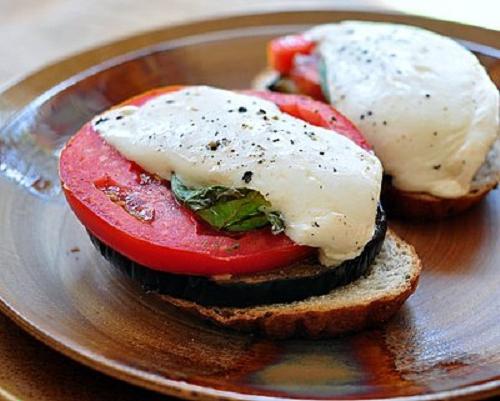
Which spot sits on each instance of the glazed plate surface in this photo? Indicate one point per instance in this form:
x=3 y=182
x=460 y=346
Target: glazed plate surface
x=444 y=343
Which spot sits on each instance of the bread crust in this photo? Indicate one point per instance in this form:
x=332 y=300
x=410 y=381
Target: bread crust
x=312 y=319
x=422 y=206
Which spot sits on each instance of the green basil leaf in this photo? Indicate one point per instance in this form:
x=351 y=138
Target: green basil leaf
x=201 y=198
x=230 y=209
x=223 y=214
x=276 y=221
x=251 y=223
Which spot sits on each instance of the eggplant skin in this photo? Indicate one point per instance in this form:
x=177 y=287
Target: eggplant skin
x=243 y=291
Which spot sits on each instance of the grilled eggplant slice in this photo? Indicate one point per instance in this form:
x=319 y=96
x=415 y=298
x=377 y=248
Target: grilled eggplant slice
x=296 y=282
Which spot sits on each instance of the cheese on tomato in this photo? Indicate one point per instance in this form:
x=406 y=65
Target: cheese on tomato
x=422 y=100
x=325 y=186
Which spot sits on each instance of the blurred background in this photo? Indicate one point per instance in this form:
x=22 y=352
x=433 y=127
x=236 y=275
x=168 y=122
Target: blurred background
x=37 y=32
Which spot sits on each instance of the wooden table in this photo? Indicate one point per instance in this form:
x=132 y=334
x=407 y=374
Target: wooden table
x=36 y=33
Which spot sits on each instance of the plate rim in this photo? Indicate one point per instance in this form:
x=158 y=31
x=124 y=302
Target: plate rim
x=163 y=384
x=186 y=390
x=132 y=43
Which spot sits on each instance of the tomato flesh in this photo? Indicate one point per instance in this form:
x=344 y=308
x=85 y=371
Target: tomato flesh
x=281 y=51
x=137 y=215
x=305 y=75
x=291 y=56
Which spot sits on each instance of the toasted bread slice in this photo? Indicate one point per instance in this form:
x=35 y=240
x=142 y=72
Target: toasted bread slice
x=415 y=205
x=418 y=205
x=366 y=302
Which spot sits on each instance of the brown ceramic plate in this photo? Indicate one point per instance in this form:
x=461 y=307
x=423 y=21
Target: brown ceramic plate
x=445 y=342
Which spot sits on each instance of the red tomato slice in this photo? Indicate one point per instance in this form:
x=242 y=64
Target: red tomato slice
x=281 y=51
x=291 y=56
x=137 y=215
x=304 y=73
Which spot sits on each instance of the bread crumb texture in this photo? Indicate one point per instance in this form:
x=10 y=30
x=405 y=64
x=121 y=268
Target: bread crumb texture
x=366 y=302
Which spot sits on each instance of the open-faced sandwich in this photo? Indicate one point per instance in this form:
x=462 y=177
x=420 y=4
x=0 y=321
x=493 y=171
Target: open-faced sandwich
x=422 y=100
x=258 y=211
